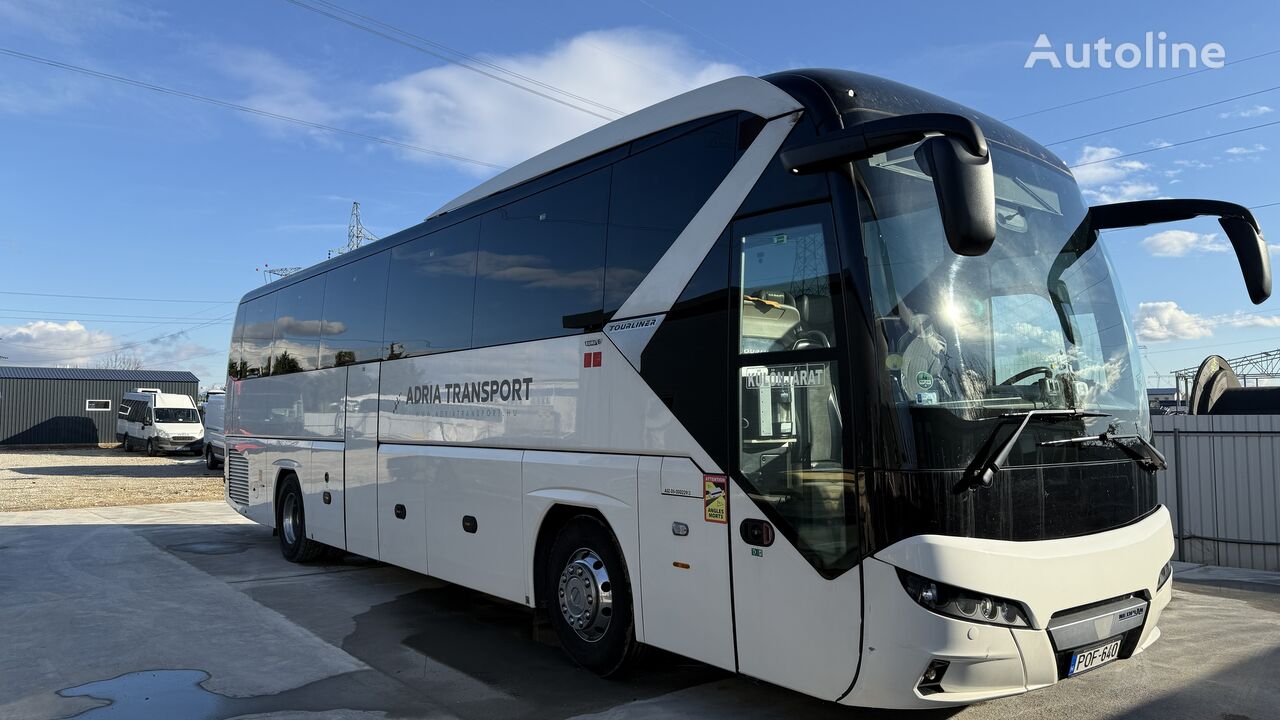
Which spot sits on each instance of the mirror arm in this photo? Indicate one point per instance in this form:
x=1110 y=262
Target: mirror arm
x=1237 y=222
x=863 y=140
x=1151 y=212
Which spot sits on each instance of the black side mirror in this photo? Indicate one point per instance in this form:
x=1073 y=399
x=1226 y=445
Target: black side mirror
x=954 y=154
x=1251 y=253
x=966 y=191
x=1236 y=221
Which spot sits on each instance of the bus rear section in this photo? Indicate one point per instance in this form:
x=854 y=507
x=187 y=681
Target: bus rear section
x=702 y=379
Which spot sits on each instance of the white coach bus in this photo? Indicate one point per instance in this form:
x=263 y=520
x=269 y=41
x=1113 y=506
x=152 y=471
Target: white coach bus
x=812 y=377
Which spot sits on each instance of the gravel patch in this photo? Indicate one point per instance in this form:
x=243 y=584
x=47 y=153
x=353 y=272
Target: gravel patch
x=97 y=477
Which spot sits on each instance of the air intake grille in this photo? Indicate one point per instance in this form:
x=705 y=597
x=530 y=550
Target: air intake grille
x=237 y=478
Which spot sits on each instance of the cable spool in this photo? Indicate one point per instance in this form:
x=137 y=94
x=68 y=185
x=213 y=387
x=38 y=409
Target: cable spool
x=1217 y=391
x=1213 y=378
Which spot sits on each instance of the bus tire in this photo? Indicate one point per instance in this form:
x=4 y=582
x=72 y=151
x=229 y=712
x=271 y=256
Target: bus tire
x=291 y=520
x=589 y=597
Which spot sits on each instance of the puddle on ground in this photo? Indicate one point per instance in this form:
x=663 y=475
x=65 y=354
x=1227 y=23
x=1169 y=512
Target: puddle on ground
x=211 y=547
x=151 y=694
x=172 y=694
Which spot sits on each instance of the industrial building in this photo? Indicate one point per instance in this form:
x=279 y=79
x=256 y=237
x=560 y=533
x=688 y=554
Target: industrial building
x=73 y=406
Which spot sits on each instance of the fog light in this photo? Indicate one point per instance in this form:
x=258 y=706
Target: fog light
x=1166 y=572
x=931 y=680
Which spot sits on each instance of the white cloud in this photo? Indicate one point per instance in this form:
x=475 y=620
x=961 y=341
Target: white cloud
x=277 y=87
x=1176 y=243
x=1246 y=150
x=451 y=108
x=1249 y=112
x=1242 y=320
x=1164 y=320
x=1193 y=164
x=69 y=21
x=1101 y=169
x=1122 y=192
x=68 y=343
x=1104 y=180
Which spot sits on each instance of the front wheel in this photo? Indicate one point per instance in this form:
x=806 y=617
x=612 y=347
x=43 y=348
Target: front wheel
x=590 y=597
x=151 y=448
x=291 y=520
x=125 y=445
x=209 y=461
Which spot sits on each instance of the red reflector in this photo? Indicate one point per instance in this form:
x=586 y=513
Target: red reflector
x=586 y=359
x=596 y=359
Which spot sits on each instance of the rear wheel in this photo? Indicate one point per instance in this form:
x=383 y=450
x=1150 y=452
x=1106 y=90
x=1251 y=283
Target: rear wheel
x=291 y=521
x=210 y=461
x=589 y=599
x=151 y=448
x=125 y=444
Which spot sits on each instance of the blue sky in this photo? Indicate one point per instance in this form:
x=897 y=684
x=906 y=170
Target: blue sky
x=112 y=190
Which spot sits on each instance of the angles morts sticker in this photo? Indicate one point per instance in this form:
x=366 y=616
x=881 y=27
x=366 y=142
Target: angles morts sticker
x=715 y=498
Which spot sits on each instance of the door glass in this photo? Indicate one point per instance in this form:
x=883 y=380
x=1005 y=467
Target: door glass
x=791 y=434
x=786 y=290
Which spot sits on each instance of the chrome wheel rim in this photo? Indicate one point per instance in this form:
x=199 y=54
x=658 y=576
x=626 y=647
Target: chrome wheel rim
x=290 y=518
x=586 y=595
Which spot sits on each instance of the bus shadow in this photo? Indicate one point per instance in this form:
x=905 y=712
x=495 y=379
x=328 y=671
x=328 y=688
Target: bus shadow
x=514 y=668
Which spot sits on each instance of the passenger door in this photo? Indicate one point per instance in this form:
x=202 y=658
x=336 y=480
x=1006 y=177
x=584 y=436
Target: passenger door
x=792 y=503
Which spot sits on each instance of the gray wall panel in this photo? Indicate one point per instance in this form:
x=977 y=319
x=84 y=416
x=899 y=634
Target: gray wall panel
x=1224 y=468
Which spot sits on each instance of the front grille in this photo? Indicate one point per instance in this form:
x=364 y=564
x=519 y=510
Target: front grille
x=182 y=438
x=237 y=477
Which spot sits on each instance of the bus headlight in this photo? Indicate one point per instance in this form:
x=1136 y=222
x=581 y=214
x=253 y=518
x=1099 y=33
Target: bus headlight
x=1166 y=572
x=963 y=604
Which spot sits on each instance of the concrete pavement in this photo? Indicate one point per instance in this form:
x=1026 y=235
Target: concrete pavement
x=188 y=611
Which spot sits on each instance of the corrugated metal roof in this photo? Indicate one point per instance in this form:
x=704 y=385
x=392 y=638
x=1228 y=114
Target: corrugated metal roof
x=138 y=376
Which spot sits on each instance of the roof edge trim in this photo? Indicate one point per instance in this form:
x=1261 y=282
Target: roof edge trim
x=750 y=94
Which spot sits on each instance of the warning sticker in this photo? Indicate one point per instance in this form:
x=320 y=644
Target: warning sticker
x=715 y=500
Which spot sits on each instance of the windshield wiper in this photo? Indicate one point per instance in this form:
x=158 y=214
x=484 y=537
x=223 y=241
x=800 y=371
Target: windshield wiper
x=994 y=454
x=1147 y=455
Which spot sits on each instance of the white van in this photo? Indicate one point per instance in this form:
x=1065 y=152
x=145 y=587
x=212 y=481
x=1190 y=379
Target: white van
x=159 y=422
x=215 y=449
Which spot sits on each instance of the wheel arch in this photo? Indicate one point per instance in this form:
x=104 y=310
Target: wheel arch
x=556 y=517
x=283 y=474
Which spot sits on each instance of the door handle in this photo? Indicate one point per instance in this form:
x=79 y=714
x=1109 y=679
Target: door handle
x=756 y=532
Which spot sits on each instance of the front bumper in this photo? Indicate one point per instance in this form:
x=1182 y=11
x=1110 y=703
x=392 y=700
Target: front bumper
x=169 y=445
x=1059 y=581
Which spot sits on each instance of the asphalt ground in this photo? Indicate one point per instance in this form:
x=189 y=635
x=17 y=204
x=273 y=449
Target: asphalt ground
x=186 y=610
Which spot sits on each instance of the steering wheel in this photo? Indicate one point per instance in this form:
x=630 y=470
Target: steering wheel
x=1037 y=370
x=810 y=338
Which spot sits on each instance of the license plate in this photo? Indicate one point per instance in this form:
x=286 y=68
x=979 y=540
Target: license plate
x=1093 y=657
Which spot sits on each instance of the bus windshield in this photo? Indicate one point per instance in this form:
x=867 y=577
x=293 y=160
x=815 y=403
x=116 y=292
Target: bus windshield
x=1036 y=323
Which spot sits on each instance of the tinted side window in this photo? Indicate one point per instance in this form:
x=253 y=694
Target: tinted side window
x=430 y=289
x=541 y=264
x=235 y=360
x=355 y=299
x=297 y=334
x=654 y=196
x=259 y=330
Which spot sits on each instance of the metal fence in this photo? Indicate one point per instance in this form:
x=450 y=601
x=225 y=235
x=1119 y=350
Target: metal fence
x=1222 y=487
